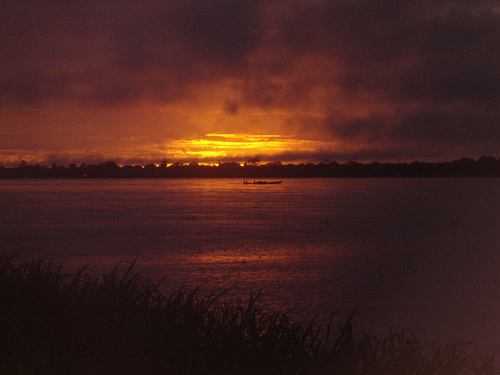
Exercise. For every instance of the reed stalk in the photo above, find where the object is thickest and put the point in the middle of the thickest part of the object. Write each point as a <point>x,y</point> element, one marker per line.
<point>53,322</point>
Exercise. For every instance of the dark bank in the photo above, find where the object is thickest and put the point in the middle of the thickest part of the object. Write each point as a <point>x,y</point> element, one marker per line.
<point>486,166</point>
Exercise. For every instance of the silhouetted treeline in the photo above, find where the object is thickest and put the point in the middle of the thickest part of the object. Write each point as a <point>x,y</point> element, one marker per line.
<point>486,166</point>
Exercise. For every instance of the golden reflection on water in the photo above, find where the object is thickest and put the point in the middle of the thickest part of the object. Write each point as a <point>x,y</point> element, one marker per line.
<point>236,258</point>
<point>248,255</point>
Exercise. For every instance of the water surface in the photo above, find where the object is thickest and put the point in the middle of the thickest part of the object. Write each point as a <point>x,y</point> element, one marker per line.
<point>406,253</point>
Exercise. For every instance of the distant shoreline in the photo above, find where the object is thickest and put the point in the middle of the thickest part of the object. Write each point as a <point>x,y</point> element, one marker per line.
<point>486,166</point>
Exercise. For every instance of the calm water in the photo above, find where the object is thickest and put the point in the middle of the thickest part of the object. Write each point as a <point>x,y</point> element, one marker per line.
<point>422,254</point>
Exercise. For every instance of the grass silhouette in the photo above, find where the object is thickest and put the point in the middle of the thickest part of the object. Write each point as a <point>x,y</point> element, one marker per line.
<point>52,322</point>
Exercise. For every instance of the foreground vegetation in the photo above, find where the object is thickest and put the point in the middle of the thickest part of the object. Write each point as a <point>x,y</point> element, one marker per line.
<point>52,322</point>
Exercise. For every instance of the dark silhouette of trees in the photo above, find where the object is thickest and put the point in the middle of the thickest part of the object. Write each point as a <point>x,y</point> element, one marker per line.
<point>486,166</point>
<point>255,162</point>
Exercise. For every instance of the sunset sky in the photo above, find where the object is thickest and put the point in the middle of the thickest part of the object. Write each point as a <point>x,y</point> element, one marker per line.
<point>86,81</point>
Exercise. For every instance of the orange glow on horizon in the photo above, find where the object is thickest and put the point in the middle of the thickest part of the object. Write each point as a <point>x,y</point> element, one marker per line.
<point>240,146</point>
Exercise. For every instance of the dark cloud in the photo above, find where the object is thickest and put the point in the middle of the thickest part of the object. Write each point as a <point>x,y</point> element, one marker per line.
<point>437,51</point>
<point>426,123</point>
<point>231,108</point>
<point>426,133</point>
<point>450,52</point>
<point>460,57</point>
<point>225,30</point>
<point>436,69</point>
<point>366,130</point>
<point>32,87</point>
<point>181,37</point>
<point>459,126</point>
<point>134,48</point>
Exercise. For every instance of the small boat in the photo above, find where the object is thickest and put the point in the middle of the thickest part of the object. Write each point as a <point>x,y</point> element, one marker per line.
<point>262,182</point>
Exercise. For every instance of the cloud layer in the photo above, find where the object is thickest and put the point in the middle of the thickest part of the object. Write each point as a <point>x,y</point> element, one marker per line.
<point>377,79</point>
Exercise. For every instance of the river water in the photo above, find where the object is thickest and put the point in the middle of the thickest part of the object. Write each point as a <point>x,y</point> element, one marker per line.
<point>419,254</point>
